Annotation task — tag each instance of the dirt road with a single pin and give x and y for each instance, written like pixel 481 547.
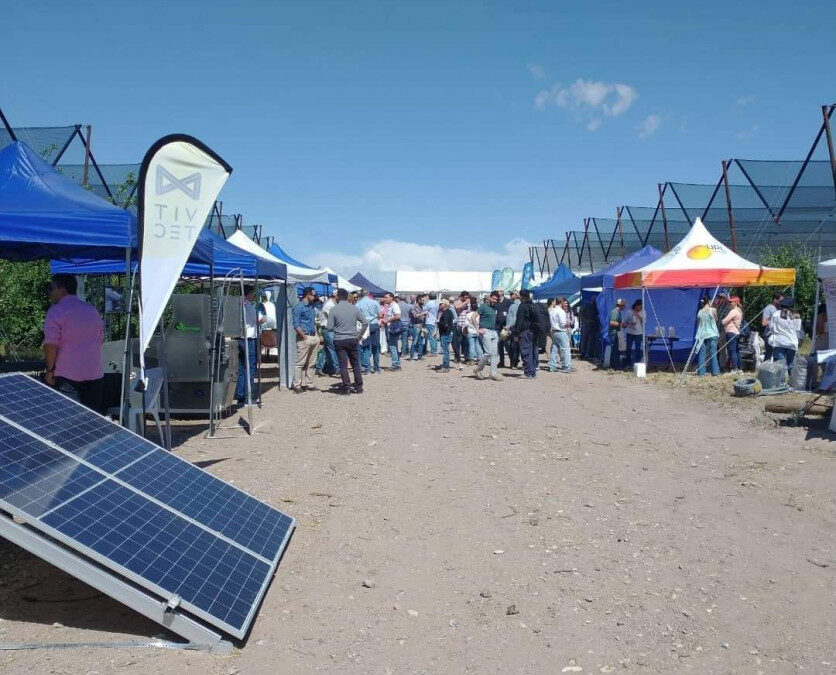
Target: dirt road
pixel 573 523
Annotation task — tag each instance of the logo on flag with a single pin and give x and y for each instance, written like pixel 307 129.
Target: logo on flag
pixel 168 182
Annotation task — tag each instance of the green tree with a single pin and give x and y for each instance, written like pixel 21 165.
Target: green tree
pixel 755 298
pixel 24 299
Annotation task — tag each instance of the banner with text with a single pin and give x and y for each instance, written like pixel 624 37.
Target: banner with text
pixel 179 180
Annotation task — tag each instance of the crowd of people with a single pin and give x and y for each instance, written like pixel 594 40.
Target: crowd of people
pixel 348 331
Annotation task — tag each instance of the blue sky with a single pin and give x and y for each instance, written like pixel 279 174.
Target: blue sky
pixel 429 134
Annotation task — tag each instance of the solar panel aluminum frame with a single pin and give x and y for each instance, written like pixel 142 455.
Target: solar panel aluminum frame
pixel 103 580
pixel 172 603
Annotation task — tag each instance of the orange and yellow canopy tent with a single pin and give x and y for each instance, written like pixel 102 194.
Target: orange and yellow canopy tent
pixel 700 261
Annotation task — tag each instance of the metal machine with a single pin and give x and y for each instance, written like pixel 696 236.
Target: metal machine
pixel 188 346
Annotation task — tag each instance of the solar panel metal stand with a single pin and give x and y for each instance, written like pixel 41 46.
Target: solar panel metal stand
pixel 136 598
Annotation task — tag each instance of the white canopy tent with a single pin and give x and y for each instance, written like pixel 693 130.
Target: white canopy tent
pixel 421 281
pixel 342 282
pixel 295 274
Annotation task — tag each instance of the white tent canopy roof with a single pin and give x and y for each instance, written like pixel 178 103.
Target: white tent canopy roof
pixel 699 260
pixel 420 281
pixel 342 282
pixel 827 269
pixel 295 274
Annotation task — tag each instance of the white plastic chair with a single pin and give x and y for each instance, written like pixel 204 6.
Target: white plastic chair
pixel 152 402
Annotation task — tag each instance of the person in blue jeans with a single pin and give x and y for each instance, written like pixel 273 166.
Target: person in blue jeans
pixel 394 326
pixel 706 337
pixel 370 347
pixel 417 328
pixel 446 327
pixel 634 332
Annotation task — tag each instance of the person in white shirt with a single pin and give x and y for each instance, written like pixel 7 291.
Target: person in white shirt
pixel 248 347
pixel 327 362
pixel 560 329
pixel 394 327
pixel 767 313
pixel 784 331
pixel 634 320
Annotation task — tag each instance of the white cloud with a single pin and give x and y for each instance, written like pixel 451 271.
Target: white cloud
pixel 588 97
pixel 746 134
pixel 744 100
pixel 380 260
pixel 649 126
pixel 537 72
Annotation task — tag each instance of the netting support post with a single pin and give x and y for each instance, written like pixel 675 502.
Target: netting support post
pixel 732 231
pixel 827 111
pixel 8 126
pixel 619 228
pixel 85 173
pixel 664 215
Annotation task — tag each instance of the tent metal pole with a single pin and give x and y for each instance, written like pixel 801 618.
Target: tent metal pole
pixel 125 402
pixel 246 357
pixel 258 342
pixel 166 401
pixel 816 301
pixel 213 341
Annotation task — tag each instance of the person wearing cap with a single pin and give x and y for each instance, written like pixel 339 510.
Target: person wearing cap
pixel 784 332
pixel 732 322
pixel 462 306
pixel 446 327
pixel 615 325
pixel 307 342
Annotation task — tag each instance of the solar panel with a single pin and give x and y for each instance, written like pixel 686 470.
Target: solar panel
pixel 153 518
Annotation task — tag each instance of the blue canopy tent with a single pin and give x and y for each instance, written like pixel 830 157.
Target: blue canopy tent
pixel 45 215
pixel 211 254
pixel 281 254
pixel 667 308
pixel 320 288
pixel 563 282
pixel 363 282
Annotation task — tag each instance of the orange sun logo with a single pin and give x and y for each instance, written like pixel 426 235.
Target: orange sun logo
pixel 699 252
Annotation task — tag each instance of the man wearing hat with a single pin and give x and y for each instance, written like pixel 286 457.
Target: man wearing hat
pixel 446 326
pixel 615 325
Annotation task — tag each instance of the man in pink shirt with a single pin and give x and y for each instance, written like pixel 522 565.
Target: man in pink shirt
pixel 73 335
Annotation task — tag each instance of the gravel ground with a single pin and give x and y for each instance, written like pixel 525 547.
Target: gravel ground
pixel 590 522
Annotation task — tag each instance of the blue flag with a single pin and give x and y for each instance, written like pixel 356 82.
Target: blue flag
pixel 496 280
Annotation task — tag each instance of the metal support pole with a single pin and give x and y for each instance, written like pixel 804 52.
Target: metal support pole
pixel 664 215
pixel 84 175
pixel 816 302
pixel 166 402
pixel 8 126
pixel 128 291
pixel 246 358
pixel 827 111
pixel 732 231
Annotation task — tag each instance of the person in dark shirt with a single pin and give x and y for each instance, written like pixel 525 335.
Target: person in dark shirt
pixel 489 336
pixel 524 328
pixel 502 308
pixel 446 328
